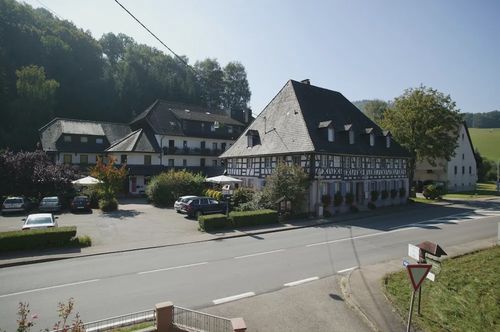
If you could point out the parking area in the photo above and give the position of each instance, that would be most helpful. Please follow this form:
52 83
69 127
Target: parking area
135 224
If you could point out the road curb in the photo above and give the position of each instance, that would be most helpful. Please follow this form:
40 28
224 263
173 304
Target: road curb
244 234
345 286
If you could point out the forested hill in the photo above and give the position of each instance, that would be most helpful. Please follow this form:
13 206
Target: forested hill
50 67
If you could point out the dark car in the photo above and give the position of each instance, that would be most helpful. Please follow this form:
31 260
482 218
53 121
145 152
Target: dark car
203 205
80 203
16 204
50 204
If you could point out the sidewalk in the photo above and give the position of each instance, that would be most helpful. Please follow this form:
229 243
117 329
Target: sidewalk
29 257
362 289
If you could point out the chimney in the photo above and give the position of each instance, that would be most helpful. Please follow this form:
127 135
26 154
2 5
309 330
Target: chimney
306 81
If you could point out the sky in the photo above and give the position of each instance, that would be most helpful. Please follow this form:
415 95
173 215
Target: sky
363 49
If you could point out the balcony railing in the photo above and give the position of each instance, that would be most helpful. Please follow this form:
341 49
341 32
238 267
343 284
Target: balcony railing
192 151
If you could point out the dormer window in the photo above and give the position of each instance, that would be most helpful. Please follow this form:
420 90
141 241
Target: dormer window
212 127
351 137
388 141
99 140
252 138
230 129
83 139
67 138
331 134
372 139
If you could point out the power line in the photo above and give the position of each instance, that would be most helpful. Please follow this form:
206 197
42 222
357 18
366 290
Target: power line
50 10
161 42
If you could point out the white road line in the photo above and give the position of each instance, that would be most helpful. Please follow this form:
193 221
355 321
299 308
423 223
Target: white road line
298 282
233 298
346 270
173 268
259 254
50 287
393 230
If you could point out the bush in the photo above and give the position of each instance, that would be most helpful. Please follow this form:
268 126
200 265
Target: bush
349 198
402 192
94 196
253 218
374 195
432 191
384 194
83 241
242 195
37 238
108 205
326 200
353 209
166 187
210 222
371 206
337 198
394 193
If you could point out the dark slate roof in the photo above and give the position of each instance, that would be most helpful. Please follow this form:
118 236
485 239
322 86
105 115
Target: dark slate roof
137 141
164 117
289 124
50 134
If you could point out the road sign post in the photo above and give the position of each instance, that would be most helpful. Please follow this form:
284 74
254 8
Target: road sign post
417 274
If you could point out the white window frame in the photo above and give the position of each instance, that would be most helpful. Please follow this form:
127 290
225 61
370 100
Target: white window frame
351 137
331 134
372 139
84 139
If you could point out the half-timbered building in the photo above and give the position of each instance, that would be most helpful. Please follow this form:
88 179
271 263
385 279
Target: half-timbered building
340 148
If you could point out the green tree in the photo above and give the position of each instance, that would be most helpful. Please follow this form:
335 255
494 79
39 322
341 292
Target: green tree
375 109
426 122
166 187
111 181
236 90
211 81
290 182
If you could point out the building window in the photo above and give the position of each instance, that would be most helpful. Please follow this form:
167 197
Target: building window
455 169
184 162
351 137
202 145
214 146
331 134
463 169
84 139
84 159
185 144
337 161
249 141
123 159
171 162
68 159
214 163
99 140
230 163
463 156
147 160
223 146
212 127
202 162
203 126
388 141
470 169
230 129
296 160
372 140
67 138
267 162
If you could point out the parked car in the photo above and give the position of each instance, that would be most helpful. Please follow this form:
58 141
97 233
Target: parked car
50 204
203 205
80 203
16 204
182 200
39 220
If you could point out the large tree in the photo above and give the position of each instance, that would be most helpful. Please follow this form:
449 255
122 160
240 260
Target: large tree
426 122
375 109
236 91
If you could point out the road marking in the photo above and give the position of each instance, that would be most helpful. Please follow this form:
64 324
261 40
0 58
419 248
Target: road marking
233 298
173 268
259 254
50 287
346 270
395 229
298 282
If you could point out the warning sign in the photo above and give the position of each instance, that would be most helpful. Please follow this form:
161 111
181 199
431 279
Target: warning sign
417 273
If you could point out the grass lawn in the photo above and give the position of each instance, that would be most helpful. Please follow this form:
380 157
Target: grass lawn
482 190
464 297
486 141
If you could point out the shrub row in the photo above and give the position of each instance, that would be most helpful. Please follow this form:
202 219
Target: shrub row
41 239
237 219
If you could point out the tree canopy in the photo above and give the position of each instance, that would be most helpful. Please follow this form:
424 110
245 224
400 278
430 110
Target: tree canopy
426 122
43 58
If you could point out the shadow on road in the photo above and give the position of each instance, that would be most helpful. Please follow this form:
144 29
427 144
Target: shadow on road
121 214
39 252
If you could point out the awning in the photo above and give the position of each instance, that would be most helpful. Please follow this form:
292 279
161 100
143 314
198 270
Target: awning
86 181
223 179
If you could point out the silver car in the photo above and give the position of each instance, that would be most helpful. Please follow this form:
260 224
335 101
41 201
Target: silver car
181 201
39 220
50 204
16 204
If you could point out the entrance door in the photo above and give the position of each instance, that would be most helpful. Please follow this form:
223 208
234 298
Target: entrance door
133 184
360 194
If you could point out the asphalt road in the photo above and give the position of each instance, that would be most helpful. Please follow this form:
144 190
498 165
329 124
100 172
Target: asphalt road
203 274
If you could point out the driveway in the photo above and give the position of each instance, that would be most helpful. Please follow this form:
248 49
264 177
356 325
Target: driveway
135 224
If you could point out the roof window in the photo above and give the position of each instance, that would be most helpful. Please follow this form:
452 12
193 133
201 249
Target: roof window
67 138
253 138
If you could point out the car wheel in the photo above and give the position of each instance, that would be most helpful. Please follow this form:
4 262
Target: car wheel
198 214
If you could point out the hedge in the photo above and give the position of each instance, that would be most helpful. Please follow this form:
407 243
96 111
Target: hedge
37 238
253 218
213 221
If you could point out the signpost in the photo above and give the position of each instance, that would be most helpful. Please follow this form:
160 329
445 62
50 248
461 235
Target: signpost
414 252
417 274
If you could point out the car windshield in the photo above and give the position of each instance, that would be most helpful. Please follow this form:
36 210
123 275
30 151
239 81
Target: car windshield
38 220
81 199
49 200
14 201
185 200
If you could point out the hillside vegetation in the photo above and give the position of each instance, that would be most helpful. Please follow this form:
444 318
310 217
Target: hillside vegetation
487 141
